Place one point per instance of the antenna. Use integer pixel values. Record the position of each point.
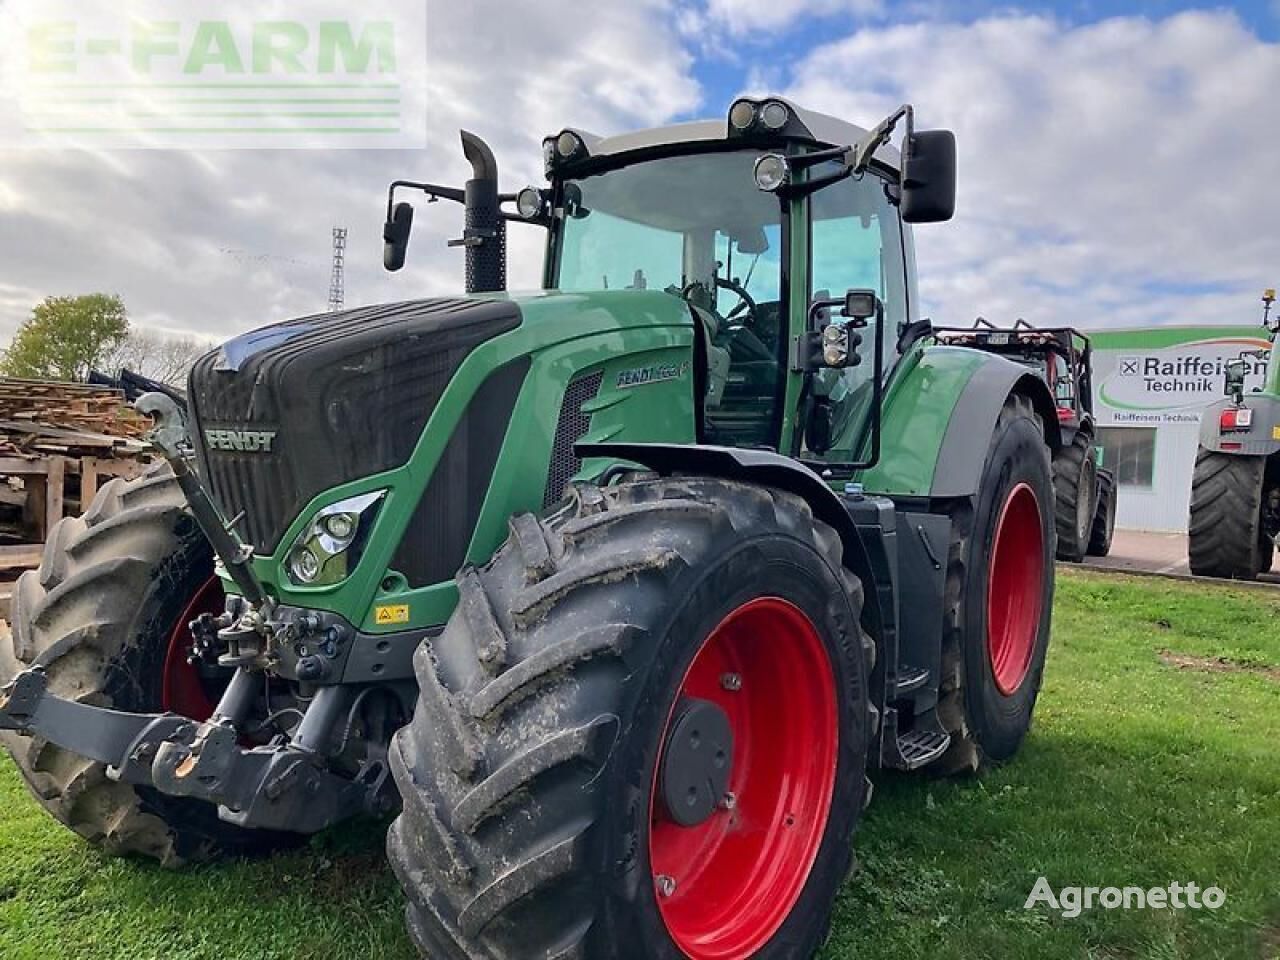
(337, 279)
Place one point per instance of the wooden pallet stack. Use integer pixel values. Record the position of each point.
(58, 443)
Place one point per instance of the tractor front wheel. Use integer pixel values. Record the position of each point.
(106, 617)
(642, 734)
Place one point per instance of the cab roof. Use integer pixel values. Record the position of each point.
(804, 126)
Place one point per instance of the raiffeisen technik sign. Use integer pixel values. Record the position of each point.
(1171, 383)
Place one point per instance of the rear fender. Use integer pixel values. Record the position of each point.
(939, 415)
(1262, 439)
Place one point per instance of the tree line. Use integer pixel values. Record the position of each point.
(67, 337)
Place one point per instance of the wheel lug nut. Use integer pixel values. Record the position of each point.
(731, 681)
(666, 885)
(729, 801)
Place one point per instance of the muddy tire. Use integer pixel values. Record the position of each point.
(1074, 486)
(1225, 532)
(98, 616)
(535, 822)
(999, 597)
(1104, 516)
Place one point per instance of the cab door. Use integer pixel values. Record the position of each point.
(855, 241)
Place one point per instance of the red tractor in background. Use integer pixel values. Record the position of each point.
(1085, 491)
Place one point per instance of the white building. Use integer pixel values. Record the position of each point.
(1149, 387)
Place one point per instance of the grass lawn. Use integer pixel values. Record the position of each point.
(1155, 759)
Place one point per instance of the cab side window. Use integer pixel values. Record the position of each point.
(856, 243)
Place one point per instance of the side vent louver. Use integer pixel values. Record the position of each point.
(572, 427)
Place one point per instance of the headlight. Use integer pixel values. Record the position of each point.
(330, 546)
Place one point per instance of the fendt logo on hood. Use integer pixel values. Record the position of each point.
(240, 441)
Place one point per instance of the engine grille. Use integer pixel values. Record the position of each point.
(571, 427)
(346, 395)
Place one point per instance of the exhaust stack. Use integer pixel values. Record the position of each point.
(485, 236)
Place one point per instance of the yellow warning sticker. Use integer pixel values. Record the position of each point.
(397, 613)
(1275, 433)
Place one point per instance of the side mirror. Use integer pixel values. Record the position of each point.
(929, 177)
(395, 236)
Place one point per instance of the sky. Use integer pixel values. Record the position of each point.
(1118, 161)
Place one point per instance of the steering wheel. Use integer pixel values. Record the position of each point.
(746, 302)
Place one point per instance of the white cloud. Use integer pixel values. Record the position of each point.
(224, 241)
(744, 16)
(1103, 168)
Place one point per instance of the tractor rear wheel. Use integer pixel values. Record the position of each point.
(105, 615)
(643, 733)
(999, 597)
(1075, 492)
(1225, 534)
(1104, 517)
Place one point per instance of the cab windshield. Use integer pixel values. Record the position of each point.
(696, 227)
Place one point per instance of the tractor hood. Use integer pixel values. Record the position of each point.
(293, 409)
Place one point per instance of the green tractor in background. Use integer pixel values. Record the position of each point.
(1235, 490)
(617, 591)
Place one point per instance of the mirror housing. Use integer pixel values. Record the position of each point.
(929, 176)
(395, 236)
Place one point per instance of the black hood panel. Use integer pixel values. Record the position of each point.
(293, 409)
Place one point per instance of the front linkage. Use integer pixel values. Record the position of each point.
(282, 785)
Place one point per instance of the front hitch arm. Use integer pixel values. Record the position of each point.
(97, 733)
(170, 437)
(278, 787)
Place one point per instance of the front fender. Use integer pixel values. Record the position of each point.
(763, 467)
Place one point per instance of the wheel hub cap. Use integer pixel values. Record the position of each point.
(697, 762)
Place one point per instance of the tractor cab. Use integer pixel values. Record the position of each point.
(761, 224)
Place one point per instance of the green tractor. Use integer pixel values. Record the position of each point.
(1235, 491)
(616, 591)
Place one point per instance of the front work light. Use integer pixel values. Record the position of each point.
(742, 115)
(330, 546)
(771, 172)
(775, 115)
(530, 203)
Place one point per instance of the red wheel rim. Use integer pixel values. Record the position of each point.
(1015, 588)
(183, 689)
(725, 886)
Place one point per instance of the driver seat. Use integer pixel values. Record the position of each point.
(718, 359)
